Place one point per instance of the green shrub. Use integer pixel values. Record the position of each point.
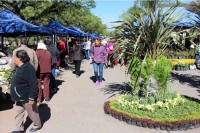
(162, 72)
(168, 110)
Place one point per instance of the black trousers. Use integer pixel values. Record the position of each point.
(77, 64)
(110, 60)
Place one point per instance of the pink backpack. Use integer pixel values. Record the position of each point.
(109, 48)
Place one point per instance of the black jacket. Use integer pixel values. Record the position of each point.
(78, 53)
(24, 83)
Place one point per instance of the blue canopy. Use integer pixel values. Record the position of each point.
(95, 36)
(80, 32)
(12, 25)
(57, 27)
(187, 20)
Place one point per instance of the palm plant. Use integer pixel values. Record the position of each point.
(146, 32)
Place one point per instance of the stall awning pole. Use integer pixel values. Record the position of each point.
(2, 39)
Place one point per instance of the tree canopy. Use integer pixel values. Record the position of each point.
(67, 12)
(194, 7)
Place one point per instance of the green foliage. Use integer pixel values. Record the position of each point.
(175, 108)
(146, 29)
(134, 69)
(10, 48)
(162, 72)
(163, 96)
(146, 72)
(142, 71)
(73, 12)
(7, 75)
(194, 7)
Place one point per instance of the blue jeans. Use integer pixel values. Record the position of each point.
(98, 71)
(196, 58)
(87, 54)
(53, 76)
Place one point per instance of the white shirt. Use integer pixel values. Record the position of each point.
(87, 45)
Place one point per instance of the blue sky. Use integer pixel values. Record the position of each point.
(111, 10)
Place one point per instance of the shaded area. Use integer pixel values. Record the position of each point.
(70, 67)
(45, 114)
(116, 88)
(94, 79)
(81, 72)
(58, 83)
(191, 80)
(7, 103)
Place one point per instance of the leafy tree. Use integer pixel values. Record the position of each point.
(145, 34)
(68, 12)
(147, 30)
(194, 7)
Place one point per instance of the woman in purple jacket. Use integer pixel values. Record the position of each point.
(99, 57)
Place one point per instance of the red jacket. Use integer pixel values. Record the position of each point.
(44, 61)
(62, 47)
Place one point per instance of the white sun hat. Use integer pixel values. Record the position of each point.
(192, 46)
(104, 42)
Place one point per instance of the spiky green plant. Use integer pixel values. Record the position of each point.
(146, 30)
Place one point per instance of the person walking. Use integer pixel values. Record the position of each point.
(110, 58)
(55, 57)
(43, 72)
(78, 56)
(24, 91)
(87, 49)
(197, 54)
(31, 54)
(63, 51)
(99, 57)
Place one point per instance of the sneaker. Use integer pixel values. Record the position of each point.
(38, 103)
(46, 101)
(17, 132)
(97, 83)
(33, 129)
(100, 83)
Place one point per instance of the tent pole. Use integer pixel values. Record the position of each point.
(54, 39)
(37, 39)
(26, 38)
(67, 44)
(2, 39)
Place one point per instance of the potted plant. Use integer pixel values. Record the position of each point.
(6, 79)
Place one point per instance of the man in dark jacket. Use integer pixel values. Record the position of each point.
(24, 92)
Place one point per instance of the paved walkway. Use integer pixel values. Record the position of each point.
(78, 105)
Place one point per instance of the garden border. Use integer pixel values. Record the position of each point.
(147, 123)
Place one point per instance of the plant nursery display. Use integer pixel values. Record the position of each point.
(169, 111)
(162, 109)
(145, 36)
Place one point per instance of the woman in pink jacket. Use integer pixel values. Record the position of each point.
(99, 57)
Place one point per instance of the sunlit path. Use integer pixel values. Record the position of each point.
(78, 105)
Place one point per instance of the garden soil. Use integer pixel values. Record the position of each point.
(77, 107)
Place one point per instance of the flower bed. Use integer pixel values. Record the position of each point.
(182, 122)
(182, 64)
(186, 61)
